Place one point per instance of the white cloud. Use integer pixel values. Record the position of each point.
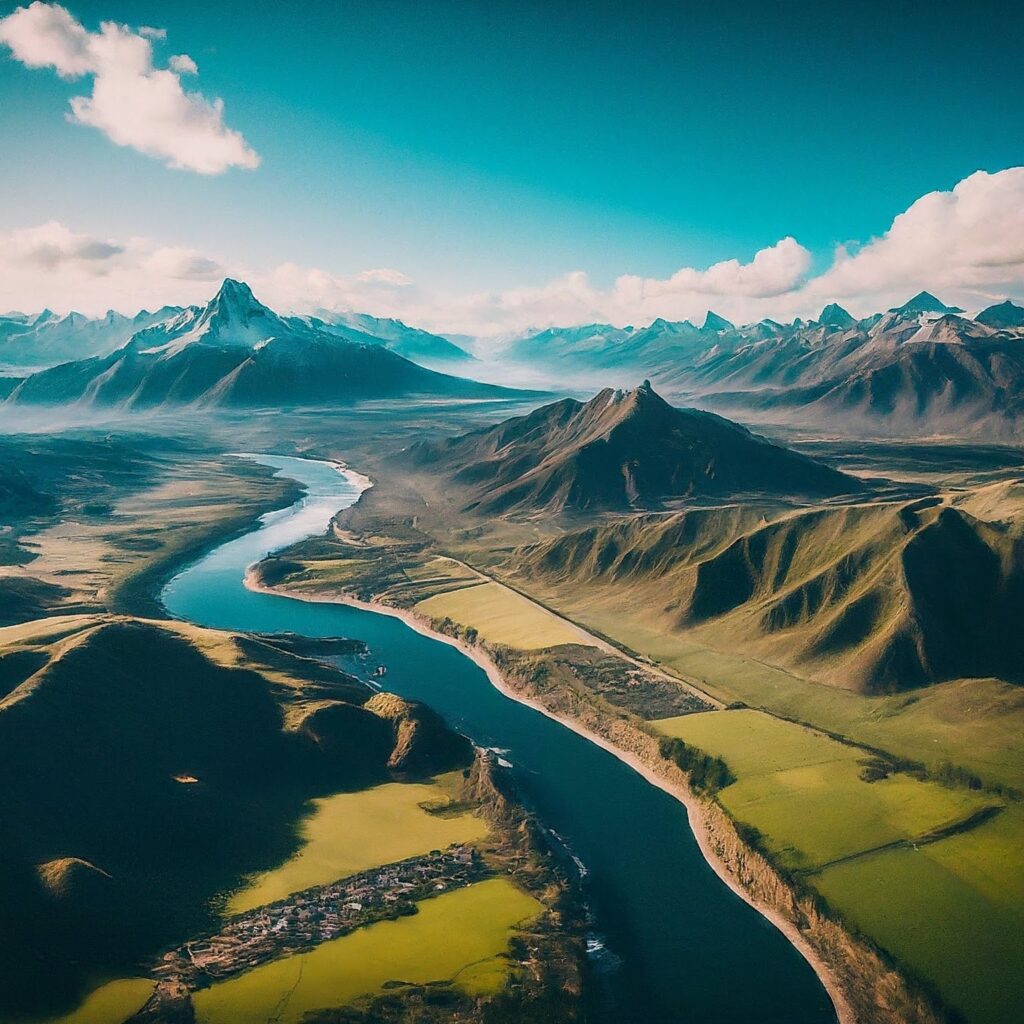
(384, 275)
(133, 103)
(966, 245)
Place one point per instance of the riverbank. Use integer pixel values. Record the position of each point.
(705, 823)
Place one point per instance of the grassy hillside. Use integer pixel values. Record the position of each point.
(148, 768)
(870, 597)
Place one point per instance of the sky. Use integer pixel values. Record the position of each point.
(483, 168)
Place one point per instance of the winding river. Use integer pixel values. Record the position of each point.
(672, 943)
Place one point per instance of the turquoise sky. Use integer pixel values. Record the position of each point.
(483, 144)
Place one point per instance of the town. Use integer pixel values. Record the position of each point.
(318, 914)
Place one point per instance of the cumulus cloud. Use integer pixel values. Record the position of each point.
(965, 244)
(133, 102)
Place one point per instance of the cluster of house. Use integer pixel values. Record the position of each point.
(307, 918)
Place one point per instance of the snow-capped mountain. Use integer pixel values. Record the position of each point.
(47, 339)
(237, 352)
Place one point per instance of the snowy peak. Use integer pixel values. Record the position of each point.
(234, 317)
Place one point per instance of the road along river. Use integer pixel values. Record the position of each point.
(672, 943)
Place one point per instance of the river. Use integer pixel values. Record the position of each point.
(678, 945)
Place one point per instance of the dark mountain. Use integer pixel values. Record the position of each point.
(617, 451)
(833, 315)
(924, 302)
(1005, 314)
(237, 352)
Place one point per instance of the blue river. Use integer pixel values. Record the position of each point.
(671, 942)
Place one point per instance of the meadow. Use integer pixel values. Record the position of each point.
(109, 1004)
(888, 856)
(951, 911)
(804, 793)
(976, 723)
(501, 616)
(419, 949)
(350, 832)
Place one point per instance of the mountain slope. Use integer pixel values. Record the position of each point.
(617, 451)
(148, 767)
(872, 598)
(48, 340)
(411, 342)
(237, 352)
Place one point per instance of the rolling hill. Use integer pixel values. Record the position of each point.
(873, 598)
(618, 451)
(237, 352)
(149, 766)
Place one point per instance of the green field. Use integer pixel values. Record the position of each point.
(109, 1004)
(976, 723)
(952, 911)
(501, 616)
(803, 792)
(459, 936)
(350, 832)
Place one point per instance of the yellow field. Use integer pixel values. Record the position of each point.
(501, 616)
(462, 932)
(109, 1004)
(351, 832)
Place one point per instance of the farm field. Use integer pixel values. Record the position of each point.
(351, 832)
(417, 949)
(976, 723)
(109, 1004)
(501, 616)
(803, 792)
(972, 884)
(950, 909)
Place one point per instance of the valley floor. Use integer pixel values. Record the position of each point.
(901, 814)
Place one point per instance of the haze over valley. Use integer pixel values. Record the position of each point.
(511, 514)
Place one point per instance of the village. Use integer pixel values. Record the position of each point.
(318, 914)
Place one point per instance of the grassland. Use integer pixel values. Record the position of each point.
(501, 616)
(418, 949)
(909, 863)
(350, 832)
(976, 723)
(109, 1004)
(952, 911)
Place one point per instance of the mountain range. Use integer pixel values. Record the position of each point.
(43, 340)
(235, 351)
(921, 367)
(620, 450)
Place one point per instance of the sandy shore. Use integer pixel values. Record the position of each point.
(692, 805)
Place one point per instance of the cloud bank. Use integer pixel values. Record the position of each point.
(965, 244)
(133, 102)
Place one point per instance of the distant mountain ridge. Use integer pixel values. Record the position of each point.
(237, 352)
(921, 367)
(620, 450)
